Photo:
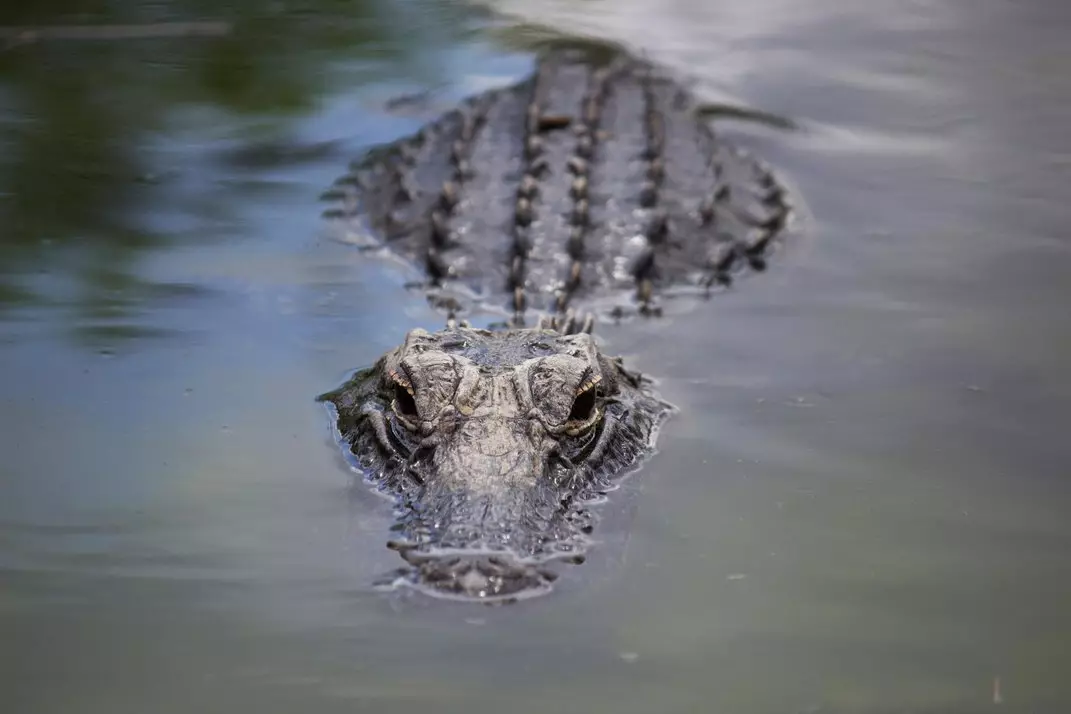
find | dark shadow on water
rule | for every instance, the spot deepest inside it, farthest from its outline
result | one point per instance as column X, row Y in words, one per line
column 83, row 200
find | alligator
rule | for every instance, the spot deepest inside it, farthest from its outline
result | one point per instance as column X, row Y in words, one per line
column 594, row 178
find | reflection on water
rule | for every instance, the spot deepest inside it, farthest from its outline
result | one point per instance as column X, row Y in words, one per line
column 106, row 140
column 861, row 506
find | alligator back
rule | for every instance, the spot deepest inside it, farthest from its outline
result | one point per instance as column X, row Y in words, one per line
column 590, row 181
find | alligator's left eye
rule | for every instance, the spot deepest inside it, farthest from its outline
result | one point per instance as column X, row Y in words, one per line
column 404, row 403
column 585, row 406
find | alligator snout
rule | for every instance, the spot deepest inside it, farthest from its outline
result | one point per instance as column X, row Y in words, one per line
column 478, row 576
column 492, row 455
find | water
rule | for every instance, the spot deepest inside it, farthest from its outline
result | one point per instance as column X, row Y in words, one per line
column 861, row 507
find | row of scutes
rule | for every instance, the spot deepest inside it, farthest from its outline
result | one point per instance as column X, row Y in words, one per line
column 535, row 167
column 725, row 251
column 579, row 167
column 657, row 229
column 440, row 237
column 702, row 217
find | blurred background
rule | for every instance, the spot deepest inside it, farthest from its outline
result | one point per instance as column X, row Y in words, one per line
column 862, row 506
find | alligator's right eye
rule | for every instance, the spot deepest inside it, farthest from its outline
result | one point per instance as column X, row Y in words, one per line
column 583, row 405
column 404, row 403
column 585, row 411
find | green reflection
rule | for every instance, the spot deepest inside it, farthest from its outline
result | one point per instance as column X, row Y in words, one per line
column 77, row 117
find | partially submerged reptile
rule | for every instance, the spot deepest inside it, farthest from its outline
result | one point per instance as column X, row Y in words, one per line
column 590, row 180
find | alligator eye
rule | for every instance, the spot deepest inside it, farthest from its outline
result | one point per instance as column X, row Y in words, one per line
column 404, row 403
column 584, row 403
column 583, row 406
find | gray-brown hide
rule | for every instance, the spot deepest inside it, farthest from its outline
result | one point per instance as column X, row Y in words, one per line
column 589, row 185
column 494, row 442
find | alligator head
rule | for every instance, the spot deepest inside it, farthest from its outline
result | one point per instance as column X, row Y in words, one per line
column 494, row 443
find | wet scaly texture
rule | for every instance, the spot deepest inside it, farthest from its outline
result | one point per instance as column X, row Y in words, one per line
column 493, row 444
column 589, row 183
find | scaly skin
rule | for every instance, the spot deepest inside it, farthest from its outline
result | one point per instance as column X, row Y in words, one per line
column 493, row 442
column 584, row 183
column 590, row 180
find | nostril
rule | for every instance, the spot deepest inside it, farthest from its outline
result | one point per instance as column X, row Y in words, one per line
column 473, row 581
column 482, row 577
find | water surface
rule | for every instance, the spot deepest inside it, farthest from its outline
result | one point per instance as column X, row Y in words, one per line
column 862, row 505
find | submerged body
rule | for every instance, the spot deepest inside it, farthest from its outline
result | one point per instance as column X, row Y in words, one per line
column 593, row 180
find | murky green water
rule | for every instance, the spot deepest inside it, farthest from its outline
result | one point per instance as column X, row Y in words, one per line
column 863, row 505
